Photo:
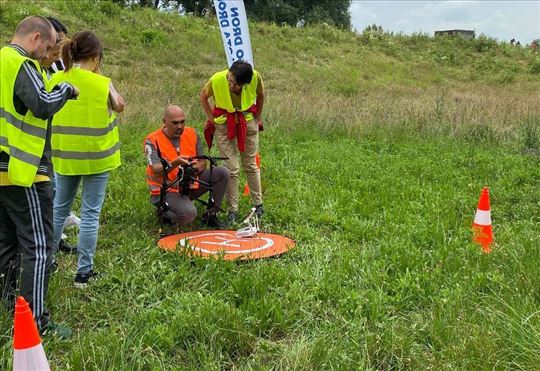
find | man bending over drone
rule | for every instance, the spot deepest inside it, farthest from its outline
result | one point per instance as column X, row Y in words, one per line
column 173, row 149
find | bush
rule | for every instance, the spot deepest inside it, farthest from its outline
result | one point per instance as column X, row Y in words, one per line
column 110, row 9
column 484, row 44
column 534, row 66
column 507, row 77
column 152, row 37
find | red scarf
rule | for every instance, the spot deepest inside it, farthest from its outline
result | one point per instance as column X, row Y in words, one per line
column 236, row 126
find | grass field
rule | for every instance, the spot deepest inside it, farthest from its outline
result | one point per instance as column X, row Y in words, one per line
column 375, row 151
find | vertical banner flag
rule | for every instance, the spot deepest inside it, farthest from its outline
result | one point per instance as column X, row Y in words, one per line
column 232, row 19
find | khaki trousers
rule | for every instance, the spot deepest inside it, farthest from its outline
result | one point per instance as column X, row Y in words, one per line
column 228, row 148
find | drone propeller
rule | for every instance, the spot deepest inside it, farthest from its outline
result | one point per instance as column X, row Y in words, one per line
column 209, row 158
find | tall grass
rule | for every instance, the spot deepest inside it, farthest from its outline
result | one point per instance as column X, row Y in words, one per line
column 374, row 154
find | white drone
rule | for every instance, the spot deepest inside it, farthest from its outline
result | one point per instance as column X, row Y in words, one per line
column 252, row 221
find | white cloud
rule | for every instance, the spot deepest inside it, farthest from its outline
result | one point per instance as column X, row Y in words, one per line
column 499, row 19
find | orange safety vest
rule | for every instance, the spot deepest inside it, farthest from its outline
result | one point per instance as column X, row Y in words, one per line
column 188, row 148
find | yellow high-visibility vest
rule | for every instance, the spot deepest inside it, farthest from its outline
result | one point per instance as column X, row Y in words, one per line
column 21, row 136
column 222, row 95
column 46, row 80
column 84, row 132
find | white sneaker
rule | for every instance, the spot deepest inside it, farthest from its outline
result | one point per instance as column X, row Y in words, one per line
column 72, row 220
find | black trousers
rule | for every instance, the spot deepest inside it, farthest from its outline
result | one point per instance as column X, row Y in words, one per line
column 26, row 239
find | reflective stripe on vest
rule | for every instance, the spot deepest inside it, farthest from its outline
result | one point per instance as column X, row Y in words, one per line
column 84, row 134
column 222, row 95
column 22, row 137
column 188, row 148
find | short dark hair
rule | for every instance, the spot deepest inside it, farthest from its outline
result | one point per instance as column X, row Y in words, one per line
column 32, row 24
column 242, row 71
column 58, row 26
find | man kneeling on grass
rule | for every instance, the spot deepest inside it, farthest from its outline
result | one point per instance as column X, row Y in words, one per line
column 177, row 144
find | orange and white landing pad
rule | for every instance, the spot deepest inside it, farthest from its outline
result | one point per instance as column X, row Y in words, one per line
column 226, row 245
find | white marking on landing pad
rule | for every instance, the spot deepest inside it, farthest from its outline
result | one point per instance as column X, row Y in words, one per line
column 226, row 242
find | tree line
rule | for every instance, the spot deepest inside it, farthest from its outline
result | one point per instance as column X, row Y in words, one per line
column 282, row 12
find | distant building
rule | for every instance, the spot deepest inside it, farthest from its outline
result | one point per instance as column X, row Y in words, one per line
column 466, row 34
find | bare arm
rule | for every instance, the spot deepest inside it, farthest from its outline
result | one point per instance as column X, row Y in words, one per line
column 116, row 100
column 260, row 105
column 203, row 97
column 260, row 100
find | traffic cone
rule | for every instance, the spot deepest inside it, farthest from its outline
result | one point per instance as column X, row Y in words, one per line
column 28, row 353
column 258, row 161
column 483, row 234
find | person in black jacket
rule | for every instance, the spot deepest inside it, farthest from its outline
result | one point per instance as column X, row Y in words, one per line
column 26, row 235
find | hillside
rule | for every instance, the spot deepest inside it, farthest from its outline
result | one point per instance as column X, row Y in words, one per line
column 375, row 149
column 359, row 81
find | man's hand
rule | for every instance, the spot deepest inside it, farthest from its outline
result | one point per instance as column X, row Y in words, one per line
column 259, row 123
column 199, row 165
column 75, row 92
column 181, row 161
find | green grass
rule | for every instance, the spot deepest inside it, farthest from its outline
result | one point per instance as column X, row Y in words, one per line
column 374, row 169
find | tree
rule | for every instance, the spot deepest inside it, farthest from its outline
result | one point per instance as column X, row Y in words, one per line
column 196, row 7
column 143, row 3
column 290, row 12
column 301, row 12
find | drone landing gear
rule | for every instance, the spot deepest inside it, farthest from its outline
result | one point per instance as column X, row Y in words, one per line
column 252, row 221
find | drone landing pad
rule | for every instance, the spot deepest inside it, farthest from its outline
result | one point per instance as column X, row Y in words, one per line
column 225, row 244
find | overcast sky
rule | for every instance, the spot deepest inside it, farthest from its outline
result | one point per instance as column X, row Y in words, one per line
column 502, row 20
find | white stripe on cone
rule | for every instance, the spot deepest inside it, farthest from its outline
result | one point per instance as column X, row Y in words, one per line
column 482, row 217
column 30, row 359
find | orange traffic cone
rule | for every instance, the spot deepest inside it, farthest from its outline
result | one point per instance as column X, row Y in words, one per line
column 483, row 234
column 28, row 353
column 258, row 160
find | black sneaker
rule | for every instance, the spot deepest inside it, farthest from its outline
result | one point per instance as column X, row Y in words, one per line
column 67, row 248
column 231, row 217
column 58, row 330
column 259, row 210
column 211, row 220
column 81, row 279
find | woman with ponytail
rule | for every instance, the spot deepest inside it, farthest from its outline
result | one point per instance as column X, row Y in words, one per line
column 85, row 145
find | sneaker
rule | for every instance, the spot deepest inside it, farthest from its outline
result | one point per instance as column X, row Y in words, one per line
column 67, row 248
column 58, row 330
column 72, row 220
column 81, row 279
column 211, row 220
column 259, row 210
column 231, row 217
column 54, row 267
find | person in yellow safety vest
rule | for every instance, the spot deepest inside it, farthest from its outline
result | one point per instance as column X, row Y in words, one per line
column 177, row 143
column 26, row 227
column 52, row 64
column 238, row 95
column 85, row 145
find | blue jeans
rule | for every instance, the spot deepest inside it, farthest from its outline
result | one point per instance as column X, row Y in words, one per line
column 92, row 197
